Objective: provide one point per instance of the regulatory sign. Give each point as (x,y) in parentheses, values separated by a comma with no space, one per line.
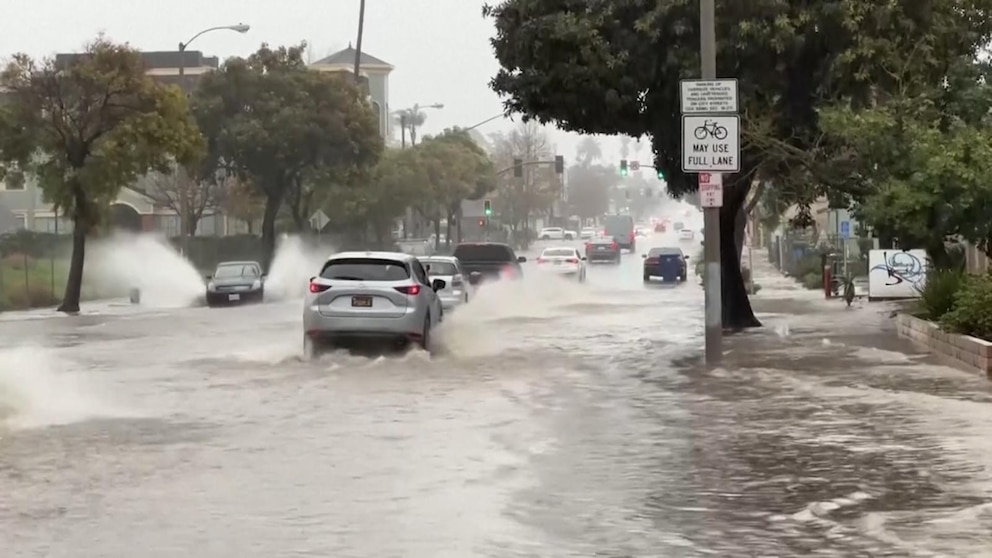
(845,229)
(710,189)
(634,165)
(708,96)
(711,144)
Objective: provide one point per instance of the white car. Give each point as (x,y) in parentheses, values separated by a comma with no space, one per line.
(457,289)
(556,233)
(588,232)
(563,261)
(686,234)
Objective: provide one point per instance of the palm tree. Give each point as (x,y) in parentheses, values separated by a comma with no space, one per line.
(409,120)
(589,151)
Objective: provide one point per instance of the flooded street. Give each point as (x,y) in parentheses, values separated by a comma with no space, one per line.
(561,420)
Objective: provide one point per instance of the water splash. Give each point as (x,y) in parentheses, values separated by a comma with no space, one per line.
(293,265)
(39,390)
(147,262)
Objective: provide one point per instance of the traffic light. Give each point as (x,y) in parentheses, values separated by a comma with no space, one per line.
(482,222)
(559,164)
(623,167)
(487,207)
(518,168)
(661,174)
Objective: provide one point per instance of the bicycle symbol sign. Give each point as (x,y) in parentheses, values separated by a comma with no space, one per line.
(710,143)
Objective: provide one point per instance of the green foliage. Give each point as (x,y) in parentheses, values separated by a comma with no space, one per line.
(88,126)
(939,292)
(286,129)
(972,310)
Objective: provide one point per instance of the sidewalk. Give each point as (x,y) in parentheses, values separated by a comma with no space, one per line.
(803,331)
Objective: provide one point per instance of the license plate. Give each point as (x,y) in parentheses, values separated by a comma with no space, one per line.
(602,248)
(234,297)
(557,262)
(361,301)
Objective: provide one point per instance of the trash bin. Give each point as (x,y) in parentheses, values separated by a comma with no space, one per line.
(135,295)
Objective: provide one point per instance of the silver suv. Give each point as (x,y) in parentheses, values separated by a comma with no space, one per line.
(370,295)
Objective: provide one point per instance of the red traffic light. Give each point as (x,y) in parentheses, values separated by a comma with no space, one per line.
(482,222)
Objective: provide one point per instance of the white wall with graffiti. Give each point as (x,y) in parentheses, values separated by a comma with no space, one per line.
(896,273)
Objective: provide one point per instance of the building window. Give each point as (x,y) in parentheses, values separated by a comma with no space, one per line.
(14,180)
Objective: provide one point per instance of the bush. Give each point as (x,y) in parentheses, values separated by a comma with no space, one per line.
(938,293)
(813,280)
(971,313)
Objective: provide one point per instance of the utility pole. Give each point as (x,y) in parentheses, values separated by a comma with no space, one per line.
(711,215)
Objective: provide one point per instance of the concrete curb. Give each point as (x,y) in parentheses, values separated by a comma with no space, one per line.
(969,352)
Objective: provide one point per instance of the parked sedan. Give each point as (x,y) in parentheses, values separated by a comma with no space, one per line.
(235,282)
(603,249)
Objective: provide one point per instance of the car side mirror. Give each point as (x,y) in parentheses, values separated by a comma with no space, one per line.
(686,257)
(584,258)
(438,284)
(521,259)
(644,255)
(208,277)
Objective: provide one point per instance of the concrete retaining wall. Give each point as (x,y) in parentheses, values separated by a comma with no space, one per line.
(970,352)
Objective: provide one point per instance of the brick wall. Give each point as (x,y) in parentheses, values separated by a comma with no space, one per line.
(969,352)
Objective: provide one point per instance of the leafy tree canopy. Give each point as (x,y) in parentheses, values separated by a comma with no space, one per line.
(86,125)
(274,121)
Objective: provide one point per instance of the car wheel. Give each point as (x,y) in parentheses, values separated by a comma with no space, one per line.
(311,351)
(568,237)
(466,297)
(647,278)
(425,338)
(545,237)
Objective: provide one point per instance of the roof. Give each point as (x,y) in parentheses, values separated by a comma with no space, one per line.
(239,263)
(372,255)
(665,251)
(346,57)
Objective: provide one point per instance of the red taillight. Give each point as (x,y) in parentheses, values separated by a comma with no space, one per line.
(652,261)
(633,235)
(615,246)
(510,272)
(588,246)
(572,260)
(412,290)
(318,288)
(540,260)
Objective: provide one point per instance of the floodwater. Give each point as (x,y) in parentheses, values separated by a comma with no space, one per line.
(561,420)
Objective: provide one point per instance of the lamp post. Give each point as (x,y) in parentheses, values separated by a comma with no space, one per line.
(240,28)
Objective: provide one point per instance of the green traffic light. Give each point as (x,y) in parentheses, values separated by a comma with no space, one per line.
(489,212)
(661,175)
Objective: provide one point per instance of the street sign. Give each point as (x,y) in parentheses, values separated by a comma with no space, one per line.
(634,165)
(319,220)
(845,229)
(711,144)
(708,96)
(710,189)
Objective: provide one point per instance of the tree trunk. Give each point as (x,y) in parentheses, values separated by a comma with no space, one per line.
(737,312)
(272,205)
(740,226)
(74,282)
(437,232)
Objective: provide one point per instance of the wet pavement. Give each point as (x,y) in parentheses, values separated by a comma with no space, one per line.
(562,420)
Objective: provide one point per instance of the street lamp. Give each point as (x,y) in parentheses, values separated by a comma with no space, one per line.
(486,121)
(240,28)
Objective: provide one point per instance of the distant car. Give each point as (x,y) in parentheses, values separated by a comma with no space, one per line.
(380,296)
(640,232)
(563,261)
(587,232)
(457,289)
(679,225)
(235,282)
(556,233)
(603,250)
(686,234)
(659,227)
(667,264)
(488,261)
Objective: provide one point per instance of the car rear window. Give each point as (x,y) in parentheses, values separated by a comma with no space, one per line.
(601,241)
(235,270)
(484,253)
(440,268)
(661,252)
(558,252)
(365,269)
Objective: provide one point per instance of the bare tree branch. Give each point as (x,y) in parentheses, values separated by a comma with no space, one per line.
(179,191)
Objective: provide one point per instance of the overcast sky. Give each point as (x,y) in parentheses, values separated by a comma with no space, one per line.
(440,48)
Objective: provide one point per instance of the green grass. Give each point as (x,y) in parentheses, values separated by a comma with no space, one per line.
(31,283)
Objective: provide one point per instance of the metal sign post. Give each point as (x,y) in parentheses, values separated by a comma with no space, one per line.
(710,146)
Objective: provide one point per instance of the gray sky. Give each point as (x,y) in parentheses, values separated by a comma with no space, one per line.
(440,48)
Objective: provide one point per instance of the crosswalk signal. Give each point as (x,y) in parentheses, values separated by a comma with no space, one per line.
(482,222)
(487,207)
(623,167)
(559,164)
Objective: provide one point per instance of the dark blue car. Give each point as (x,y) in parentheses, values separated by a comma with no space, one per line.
(667,264)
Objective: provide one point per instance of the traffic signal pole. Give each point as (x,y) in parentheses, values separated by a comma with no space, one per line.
(711,215)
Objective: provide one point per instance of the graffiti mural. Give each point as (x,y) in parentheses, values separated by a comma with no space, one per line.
(897,273)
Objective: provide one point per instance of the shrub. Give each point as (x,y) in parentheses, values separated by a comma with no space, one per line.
(33,296)
(813,280)
(971,313)
(937,295)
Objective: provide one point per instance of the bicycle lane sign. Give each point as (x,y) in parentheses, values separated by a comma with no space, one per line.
(711,143)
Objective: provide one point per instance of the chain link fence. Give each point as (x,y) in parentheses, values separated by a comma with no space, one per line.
(33,269)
